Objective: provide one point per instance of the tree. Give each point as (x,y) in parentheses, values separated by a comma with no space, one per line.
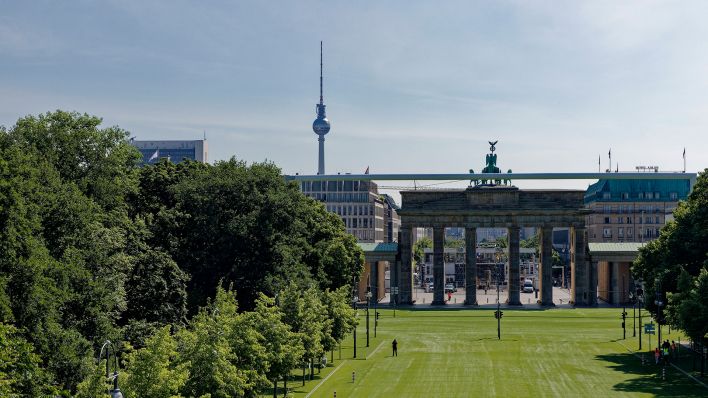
(206,351)
(20,371)
(340,312)
(283,348)
(155,371)
(675,264)
(418,249)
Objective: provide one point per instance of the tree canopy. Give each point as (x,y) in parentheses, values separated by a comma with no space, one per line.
(94,246)
(675,264)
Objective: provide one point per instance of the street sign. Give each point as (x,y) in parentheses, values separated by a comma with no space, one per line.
(648,328)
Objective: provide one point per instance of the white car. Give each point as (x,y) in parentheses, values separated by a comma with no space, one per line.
(528,286)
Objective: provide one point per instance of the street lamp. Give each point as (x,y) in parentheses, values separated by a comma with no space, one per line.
(368,300)
(115,391)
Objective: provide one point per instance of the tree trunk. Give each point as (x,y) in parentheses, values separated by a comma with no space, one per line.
(303,374)
(285,385)
(312,368)
(331,356)
(703,356)
(275,388)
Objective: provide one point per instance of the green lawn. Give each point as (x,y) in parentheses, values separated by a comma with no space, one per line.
(455,353)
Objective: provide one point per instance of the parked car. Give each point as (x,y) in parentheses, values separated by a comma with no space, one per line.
(450,288)
(429,287)
(528,286)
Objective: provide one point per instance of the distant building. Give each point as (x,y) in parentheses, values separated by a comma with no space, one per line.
(631,210)
(368,215)
(175,151)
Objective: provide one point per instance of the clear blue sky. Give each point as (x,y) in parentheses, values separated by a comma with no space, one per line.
(410,86)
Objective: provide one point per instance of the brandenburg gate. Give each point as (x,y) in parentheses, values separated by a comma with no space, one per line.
(496,204)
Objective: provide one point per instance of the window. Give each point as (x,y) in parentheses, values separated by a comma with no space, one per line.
(607,220)
(647,220)
(625,195)
(629,220)
(605,195)
(620,232)
(648,195)
(607,233)
(354,223)
(658,220)
(657,195)
(629,231)
(673,195)
(620,220)
(641,195)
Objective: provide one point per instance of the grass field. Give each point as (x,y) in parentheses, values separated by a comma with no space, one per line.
(456,353)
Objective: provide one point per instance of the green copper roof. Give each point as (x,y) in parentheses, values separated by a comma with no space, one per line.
(615,247)
(379,247)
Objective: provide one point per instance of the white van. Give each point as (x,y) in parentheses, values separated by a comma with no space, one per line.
(528,286)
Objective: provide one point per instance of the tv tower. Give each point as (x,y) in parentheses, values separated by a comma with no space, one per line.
(321,125)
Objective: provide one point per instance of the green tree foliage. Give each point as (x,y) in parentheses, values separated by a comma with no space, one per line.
(93,247)
(283,348)
(208,353)
(677,260)
(418,249)
(340,312)
(154,371)
(20,371)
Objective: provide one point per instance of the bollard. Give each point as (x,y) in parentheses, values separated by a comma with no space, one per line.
(529,301)
(644,362)
(335,394)
(353,376)
(455,300)
(663,373)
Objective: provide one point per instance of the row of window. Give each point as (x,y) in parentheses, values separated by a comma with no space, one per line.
(338,186)
(640,195)
(358,222)
(630,220)
(628,232)
(340,197)
(630,209)
(351,210)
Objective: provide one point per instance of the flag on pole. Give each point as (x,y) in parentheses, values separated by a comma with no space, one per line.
(154,155)
(684,153)
(367,170)
(609,153)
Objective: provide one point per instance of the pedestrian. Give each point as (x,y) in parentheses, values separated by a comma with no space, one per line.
(657,355)
(674,353)
(394,345)
(449,296)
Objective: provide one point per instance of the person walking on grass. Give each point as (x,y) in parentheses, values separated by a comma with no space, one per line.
(394,345)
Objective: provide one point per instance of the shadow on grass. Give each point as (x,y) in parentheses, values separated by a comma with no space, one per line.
(648,378)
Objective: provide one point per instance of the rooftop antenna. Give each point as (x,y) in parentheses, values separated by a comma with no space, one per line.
(321,97)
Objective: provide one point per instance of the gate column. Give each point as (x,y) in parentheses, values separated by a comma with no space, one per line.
(405,271)
(579,268)
(438,265)
(514,267)
(470,266)
(545,273)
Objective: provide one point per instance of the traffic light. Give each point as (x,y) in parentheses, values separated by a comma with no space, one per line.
(377,315)
(498,314)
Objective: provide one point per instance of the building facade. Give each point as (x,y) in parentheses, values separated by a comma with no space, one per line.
(369,216)
(631,210)
(173,150)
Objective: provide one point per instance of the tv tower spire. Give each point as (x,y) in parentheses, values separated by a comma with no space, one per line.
(321,125)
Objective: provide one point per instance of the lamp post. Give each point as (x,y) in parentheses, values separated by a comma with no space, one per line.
(633,299)
(115,391)
(640,297)
(356,322)
(368,299)
(498,277)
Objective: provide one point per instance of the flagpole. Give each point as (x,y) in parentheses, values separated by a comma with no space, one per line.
(684,160)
